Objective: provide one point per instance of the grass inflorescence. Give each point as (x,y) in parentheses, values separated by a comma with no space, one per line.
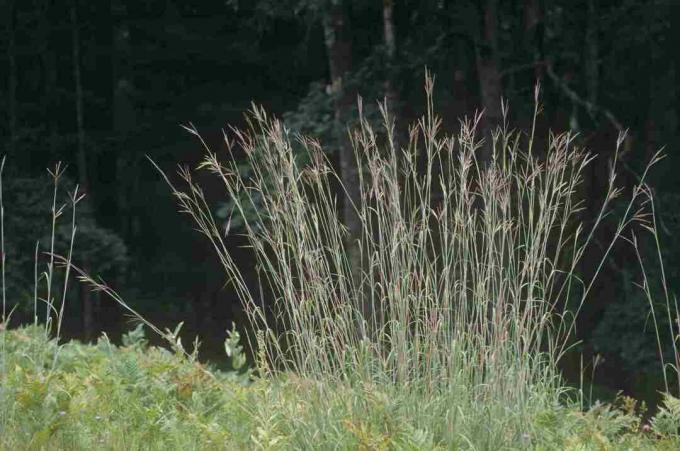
(467,291)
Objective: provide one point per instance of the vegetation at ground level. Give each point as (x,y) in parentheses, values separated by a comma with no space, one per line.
(103,396)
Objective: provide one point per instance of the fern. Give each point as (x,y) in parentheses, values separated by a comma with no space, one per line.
(667,421)
(136,338)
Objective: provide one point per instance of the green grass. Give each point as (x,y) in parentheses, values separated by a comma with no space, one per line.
(103,396)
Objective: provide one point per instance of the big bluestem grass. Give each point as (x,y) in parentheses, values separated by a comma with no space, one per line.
(668,306)
(450,337)
(43,283)
(468,288)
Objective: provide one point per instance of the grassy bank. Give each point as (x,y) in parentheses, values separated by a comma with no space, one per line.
(104,396)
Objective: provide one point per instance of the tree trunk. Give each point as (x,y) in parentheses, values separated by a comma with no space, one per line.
(592,60)
(339,49)
(460,107)
(80,128)
(602,140)
(391,94)
(123,110)
(88,313)
(489,76)
(49,74)
(674,35)
(11,76)
(123,116)
(663,94)
(533,32)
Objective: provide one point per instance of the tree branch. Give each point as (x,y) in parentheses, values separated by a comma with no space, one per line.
(592,108)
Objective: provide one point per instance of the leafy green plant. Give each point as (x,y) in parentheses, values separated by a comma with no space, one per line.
(135,338)
(667,420)
(139,396)
(234,350)
(105,396)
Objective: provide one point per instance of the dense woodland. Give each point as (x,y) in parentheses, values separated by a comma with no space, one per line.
(102,85)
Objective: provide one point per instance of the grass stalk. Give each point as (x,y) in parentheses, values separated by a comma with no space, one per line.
(469,266)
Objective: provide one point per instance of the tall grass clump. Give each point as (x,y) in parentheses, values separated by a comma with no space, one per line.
(468,291)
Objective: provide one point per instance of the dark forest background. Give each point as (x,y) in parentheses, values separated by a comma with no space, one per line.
(101,85)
